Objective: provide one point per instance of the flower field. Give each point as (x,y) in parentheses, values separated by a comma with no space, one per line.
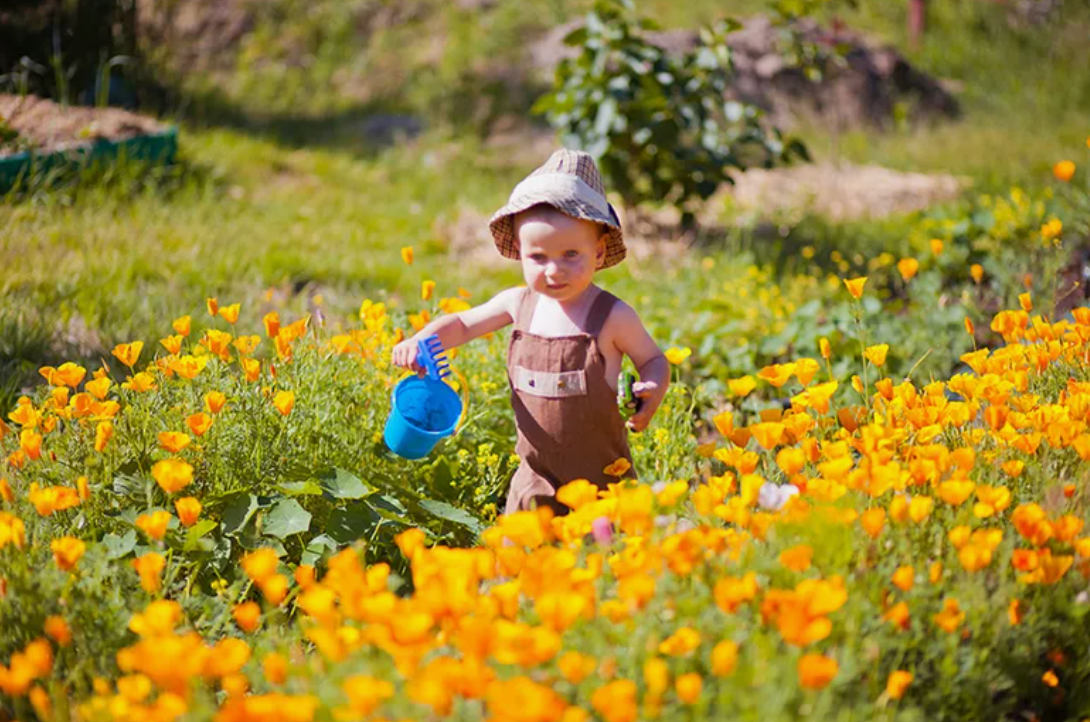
(215,533)
(865,496)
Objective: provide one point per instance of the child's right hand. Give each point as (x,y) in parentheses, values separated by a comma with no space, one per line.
(405,355)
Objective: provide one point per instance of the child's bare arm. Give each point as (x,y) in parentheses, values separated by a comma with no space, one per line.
(633,340)
(456,329)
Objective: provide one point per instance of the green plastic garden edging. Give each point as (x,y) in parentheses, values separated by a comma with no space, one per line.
(155,147)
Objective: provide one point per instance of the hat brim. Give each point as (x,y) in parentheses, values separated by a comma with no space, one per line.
(502,224)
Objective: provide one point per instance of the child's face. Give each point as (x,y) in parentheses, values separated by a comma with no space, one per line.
(559,253)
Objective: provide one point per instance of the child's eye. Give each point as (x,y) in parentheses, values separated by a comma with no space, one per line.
(571,254)
(537,257)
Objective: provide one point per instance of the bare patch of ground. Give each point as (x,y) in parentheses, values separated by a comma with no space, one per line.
(840,191)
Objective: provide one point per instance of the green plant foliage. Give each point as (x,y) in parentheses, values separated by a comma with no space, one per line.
(662,128)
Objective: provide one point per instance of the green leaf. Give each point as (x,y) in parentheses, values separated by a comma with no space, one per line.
(340,484)
(196,532)
(119,546)
(446,512)
(390,503)
(442,479)
(300,488)
(351,522)
(286,518)
(576,37)
(317,548)
(239,508)
(389,508)
(128,486)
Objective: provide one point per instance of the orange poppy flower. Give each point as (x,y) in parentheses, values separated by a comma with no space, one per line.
(199,423)
(618,468)
(128,353)
(816,671)
(67,552)
(174,441)
(230,313)
(284,401)
(897,683)
(172,474)
(877,354)
(1063,171)
(182,325)
(951,616)
(908,267)
(247,615)
(150,568)
(189,509)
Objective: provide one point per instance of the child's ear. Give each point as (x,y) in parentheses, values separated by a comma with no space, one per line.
(600,250)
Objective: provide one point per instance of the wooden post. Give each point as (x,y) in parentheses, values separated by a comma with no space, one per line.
(917,22)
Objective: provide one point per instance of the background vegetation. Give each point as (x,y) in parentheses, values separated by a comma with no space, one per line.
(325,136)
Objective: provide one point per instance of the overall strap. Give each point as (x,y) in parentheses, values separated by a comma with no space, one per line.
(599,312)
(524,312)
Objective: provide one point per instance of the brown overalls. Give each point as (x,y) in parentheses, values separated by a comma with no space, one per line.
(569,426)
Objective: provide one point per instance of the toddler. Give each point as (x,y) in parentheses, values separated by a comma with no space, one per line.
(570,336)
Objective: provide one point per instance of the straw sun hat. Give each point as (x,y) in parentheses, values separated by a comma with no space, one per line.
(570,182)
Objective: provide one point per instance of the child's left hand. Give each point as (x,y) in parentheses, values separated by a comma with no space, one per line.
(651,395)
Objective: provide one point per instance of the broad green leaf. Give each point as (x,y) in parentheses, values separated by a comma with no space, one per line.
(317,548)
(351,522)
(119,546)
(197,532)
(239,508)
(300,488)
(390,503)
(340,484)
(287,517)
(446,512)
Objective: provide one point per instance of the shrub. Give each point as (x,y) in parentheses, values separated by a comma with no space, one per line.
(662,129)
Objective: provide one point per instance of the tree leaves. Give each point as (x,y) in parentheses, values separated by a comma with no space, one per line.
(660,126)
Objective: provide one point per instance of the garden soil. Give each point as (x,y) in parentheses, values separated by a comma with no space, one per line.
(48,126)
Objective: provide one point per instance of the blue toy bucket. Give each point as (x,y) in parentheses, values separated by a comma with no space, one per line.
(423,412)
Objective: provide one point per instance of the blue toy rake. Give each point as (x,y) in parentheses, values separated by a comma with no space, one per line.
(433,357)
(425,409)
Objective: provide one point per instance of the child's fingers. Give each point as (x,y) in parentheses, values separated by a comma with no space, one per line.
(639,420)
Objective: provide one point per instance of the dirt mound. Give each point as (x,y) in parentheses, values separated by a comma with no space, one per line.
(873,85)
(839,192)
(198,34)
(47,126)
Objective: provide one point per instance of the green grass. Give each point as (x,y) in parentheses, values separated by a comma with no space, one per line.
(281,195)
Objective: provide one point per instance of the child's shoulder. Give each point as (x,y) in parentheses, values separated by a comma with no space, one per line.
(621,316)
(510,297)
(508,300)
